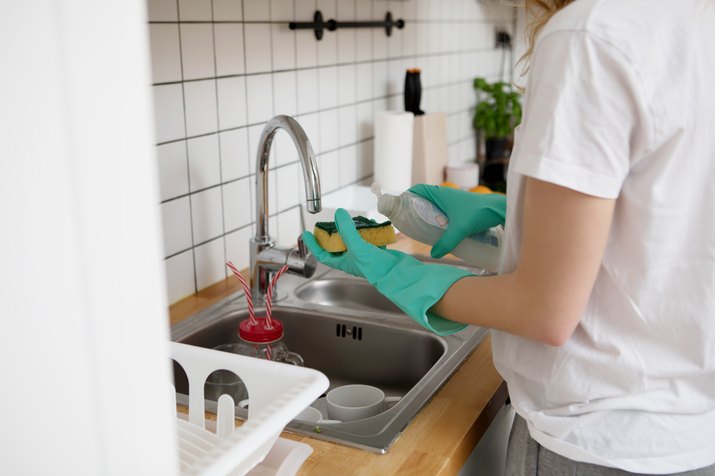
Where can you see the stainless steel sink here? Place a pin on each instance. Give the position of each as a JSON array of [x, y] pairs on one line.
[[344, 328], [345, 293]]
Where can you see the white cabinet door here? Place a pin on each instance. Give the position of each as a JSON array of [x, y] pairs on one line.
[[84, 339], [489, 456]]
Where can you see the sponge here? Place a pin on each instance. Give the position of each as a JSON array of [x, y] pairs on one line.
[[379, 234]]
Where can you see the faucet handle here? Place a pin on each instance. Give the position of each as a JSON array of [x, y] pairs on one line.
[[302, 247], [301, 260]]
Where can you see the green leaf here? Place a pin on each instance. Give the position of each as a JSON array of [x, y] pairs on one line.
[[498, 110], [480, 83]]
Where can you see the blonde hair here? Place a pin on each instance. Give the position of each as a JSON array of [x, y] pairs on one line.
[[538, 13]]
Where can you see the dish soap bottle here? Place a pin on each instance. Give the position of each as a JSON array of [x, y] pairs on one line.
[[423, 221]]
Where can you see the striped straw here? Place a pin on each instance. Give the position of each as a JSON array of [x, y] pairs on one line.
[[269, 296], [269, 353], [246, 291]]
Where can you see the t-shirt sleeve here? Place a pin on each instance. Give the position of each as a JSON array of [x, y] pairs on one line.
[[584, 117]]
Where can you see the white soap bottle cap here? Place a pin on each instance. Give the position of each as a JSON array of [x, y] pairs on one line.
[[386, 203]]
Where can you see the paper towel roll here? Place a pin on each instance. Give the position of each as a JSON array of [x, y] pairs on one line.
[[430, 149], [393, 150]]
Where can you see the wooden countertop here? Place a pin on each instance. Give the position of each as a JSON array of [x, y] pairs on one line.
[[437, 441]]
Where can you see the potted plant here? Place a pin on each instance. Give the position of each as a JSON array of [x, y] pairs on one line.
[[497, 113]]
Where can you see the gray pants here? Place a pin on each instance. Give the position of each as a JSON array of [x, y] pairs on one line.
[[526, 457]]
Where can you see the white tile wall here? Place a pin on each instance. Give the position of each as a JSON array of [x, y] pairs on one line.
[[231, 97], [204, 162], [197, 50], [229, 48], [222, 68]]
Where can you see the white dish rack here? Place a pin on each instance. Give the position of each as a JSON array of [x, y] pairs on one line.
[[277, 394]]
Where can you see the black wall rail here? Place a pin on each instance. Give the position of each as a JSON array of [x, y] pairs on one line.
[[318, 25]]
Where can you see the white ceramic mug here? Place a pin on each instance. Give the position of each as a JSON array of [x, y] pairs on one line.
[[357, 401], [313, 415], [310, 415]]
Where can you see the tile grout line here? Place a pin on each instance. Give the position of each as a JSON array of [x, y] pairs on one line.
[[218, 139], [186, 146], [441, 54]]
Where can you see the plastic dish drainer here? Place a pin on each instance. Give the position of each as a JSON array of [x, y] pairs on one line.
[[277, 394]]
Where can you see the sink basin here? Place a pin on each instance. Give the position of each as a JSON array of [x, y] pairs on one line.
[[346, 350], [354, 294], [344, 328], [345, 291]]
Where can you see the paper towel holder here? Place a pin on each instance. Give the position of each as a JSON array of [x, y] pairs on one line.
[[318, 25]]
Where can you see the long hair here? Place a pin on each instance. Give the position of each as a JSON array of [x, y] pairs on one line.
[[538, 12]]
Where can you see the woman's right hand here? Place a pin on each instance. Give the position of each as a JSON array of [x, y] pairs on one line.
[[467, 212]]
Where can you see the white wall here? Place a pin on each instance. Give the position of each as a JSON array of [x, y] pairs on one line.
[[222, 68]]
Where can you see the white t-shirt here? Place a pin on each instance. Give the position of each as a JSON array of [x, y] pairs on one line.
[[620, 103]]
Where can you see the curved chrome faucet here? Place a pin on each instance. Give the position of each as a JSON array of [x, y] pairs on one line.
[[266, 257]]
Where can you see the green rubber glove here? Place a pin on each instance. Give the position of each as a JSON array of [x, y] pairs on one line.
[[468, 213], [412, 285]]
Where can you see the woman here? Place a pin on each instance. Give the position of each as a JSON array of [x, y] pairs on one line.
[[604, 312]]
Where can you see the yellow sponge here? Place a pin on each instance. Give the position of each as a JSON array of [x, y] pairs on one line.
[[379, 234]]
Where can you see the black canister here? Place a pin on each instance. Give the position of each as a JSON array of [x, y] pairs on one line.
[[413, 91]]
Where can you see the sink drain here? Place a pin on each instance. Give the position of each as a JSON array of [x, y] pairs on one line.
[[348, 331]]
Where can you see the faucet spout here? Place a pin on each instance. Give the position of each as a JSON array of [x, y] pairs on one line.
[[266, 258], [307, 161]]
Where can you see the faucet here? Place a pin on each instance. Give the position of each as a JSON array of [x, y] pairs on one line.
[[265, 257]]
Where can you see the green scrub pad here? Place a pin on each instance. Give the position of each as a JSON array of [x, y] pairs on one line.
[[379, 234]]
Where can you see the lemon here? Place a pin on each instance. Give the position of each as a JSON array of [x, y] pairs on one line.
[[481, 189], [449, 184]]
